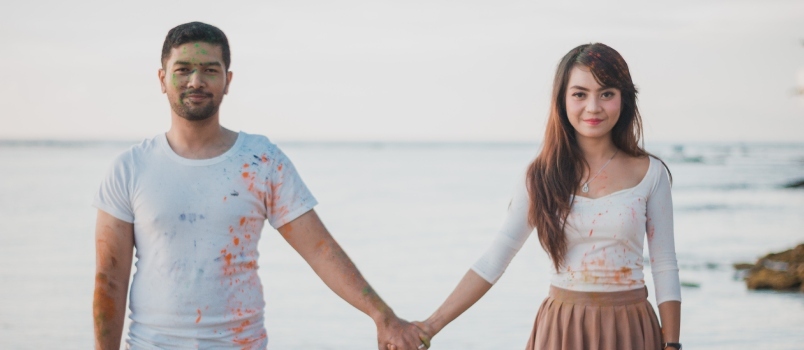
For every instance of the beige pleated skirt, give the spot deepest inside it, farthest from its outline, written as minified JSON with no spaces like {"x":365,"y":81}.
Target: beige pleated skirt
{"x":570,"y":320}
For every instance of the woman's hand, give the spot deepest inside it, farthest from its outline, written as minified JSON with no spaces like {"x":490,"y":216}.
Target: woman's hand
{"x":424,"y":337}
{"x":427,"y":329}
{"x":471,"y":288}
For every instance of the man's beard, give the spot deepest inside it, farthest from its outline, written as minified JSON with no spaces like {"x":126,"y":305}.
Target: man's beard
{"x":195,"y":113}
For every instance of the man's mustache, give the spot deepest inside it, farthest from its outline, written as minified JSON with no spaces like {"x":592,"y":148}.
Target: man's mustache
{"x":195,"y":92}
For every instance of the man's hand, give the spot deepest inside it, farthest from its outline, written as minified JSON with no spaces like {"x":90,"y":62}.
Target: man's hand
{"x":398,"y":334}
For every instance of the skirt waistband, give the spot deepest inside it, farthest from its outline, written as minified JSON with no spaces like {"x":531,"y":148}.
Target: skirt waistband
{"x":599,"y":298}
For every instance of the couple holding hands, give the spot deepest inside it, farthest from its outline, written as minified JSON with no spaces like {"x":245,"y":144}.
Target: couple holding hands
{"x":193,"y":201}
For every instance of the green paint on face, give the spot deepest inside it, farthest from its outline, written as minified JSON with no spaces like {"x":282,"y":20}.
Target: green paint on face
{"x":366,"y":290}
{"x":174,"y":80}
{"x":197,"y":45}
{"x":203,"y":52}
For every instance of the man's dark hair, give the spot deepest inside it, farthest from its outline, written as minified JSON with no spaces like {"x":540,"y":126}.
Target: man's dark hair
{"x":194,"y":32}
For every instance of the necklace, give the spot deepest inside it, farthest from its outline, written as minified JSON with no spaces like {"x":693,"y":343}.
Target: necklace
{"x":585,"y":187}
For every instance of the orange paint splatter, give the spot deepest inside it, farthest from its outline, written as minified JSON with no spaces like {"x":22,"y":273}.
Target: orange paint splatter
{"x":590,"y":232}
{"x":281,"y":211}
{"x":241,"y":328}
{"x":242,"y":341}
{"x":224,"y":198}
{"x":242,"y":221}
{"x":248,"y":236}
{"x":199,"y":316}
{"x":228,"y":258}
{"x":245,"y":174}
{"x":264,"y":158}
{"x":245,"y":165}
{"x":279,"y":167}
{"x":623,"y":275}
{"x":236,"y":241}
{"x":251,"y":265}
{"x":231,"y":229}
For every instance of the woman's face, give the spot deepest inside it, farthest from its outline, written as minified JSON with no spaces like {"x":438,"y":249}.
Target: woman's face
{"x":592,"y":109}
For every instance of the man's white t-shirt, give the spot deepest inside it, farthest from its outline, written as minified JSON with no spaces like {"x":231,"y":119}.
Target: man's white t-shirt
{"x":197,"y":223}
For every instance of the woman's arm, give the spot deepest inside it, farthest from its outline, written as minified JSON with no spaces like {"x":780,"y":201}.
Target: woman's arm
{"x":488,"y":269}
{"x":661,"y":246}
{"x":471,"y":288}
{"x":670,"y":313}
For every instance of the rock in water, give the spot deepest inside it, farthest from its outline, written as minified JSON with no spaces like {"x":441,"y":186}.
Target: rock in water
{"x":779,"y":271}
{"x":795,"y":184}
{"x":769,"y":279}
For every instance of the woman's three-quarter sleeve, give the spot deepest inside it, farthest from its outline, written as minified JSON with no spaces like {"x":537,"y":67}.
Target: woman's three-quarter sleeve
{"x":661,"y":245}
{"x":510,"y":238}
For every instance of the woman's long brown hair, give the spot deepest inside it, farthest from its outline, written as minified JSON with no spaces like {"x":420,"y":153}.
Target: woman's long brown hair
{"x":554,"y":177}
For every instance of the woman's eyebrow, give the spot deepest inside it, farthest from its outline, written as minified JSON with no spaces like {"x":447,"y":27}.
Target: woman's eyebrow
{"x":586,"y":89}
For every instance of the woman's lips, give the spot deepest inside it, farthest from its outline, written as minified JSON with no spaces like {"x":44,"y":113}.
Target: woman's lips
{"x":593,"y":121}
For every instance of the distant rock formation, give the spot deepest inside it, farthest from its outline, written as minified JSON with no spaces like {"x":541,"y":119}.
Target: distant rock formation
{"x":795,"y":184}
{"x":777,"y":271}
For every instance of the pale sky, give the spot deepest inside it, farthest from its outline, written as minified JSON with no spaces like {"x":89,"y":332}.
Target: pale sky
{"x":412,"y":70}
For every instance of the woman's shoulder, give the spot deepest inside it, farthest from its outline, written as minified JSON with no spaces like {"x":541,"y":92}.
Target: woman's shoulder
{"x":639,"y":166}
{"x":656,"y":173}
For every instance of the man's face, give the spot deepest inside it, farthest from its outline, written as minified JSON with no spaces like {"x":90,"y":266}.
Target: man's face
{"x":195,"y":80}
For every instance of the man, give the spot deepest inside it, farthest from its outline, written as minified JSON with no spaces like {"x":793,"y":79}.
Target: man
{"x":193,"y":202}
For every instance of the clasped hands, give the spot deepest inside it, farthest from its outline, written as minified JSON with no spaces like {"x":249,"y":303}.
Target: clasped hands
{"x":398,"y":334}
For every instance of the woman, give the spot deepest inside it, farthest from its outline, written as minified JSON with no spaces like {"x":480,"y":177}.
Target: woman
{"x":592,"y":195}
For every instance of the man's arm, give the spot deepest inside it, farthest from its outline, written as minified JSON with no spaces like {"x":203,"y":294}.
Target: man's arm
{"x":114,"y":245}
{"x":308,"y":236}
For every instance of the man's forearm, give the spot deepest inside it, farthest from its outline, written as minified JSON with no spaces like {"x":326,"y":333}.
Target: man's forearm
{"x":341,"y":275}
{"x":108,"y":311}
{"x":308,"y":236}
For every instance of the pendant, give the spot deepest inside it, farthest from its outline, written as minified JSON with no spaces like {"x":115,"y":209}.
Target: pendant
{"x":585,"y":188}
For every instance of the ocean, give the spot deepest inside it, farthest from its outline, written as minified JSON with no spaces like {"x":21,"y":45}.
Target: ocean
{"x":414,"y":217}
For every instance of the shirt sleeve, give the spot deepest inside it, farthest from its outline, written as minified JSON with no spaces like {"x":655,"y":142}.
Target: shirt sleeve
{"x":512,"y":235}
{"x":288,"y":197}
{"x":661,"y":245}
{"x":114,"y":195}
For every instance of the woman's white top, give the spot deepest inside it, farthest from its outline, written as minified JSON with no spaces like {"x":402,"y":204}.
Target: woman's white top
{"x":605,"y":237}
